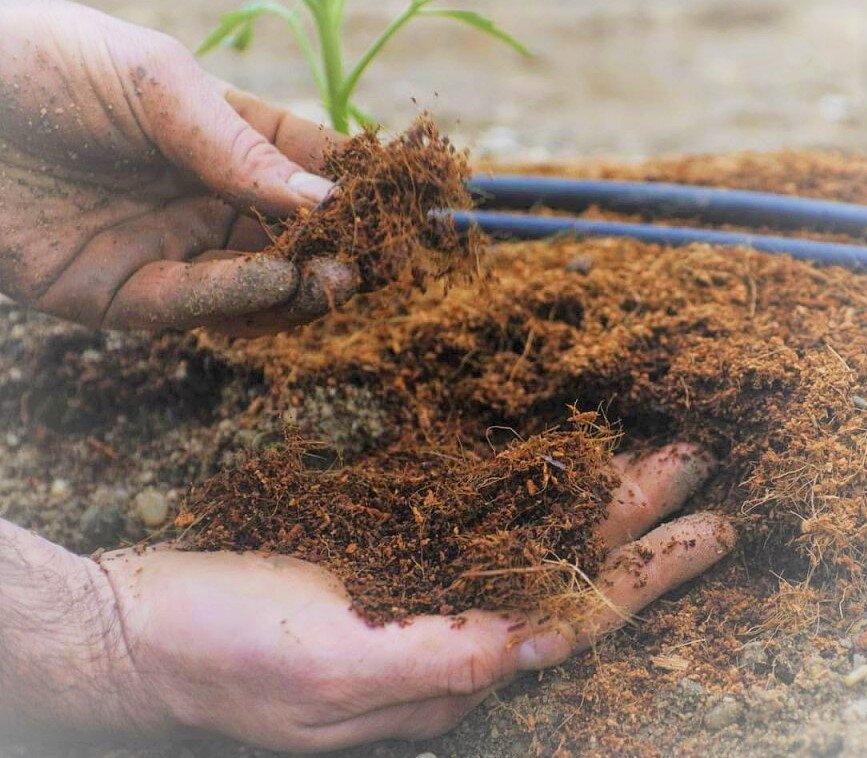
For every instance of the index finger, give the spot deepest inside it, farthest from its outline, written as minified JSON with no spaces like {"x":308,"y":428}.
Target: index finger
{"x":303,"y":142}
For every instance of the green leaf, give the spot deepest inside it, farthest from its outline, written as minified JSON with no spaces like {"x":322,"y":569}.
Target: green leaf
{"x":225,"y":29}
{"x":415,"y":7}
{"x":236,"y":29}
{"x":244,"y":37}
{"x":481,"y":23}
{"x":361,"y":118}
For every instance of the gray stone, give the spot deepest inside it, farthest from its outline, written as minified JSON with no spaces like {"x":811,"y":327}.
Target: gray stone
{"x":726,"y":712}
{"x":152,"y":507}
{"x":102,"y":526}
{"x":691,"y":687}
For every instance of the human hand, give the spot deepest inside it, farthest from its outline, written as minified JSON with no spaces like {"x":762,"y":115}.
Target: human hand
{"x":267,"y":651}
{"x":123,"y":168}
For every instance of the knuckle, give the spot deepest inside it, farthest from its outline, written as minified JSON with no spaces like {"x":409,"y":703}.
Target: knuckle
{"x":476,"y":672}
{"x":255,"y":152}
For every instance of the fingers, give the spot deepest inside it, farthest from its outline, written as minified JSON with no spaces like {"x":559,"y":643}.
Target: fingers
{"x":444,"y":657}
{"x":642,"y":571}
{"x":184,"y":295}
{"x":325,"y":284}
{"x":186,"y":115}
{"x":302,"y":141}
{"x":178,"y":231}
{"x":652,"y":488}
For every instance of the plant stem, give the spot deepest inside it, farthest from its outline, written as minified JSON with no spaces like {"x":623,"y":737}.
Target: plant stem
{"x":328,"y":26}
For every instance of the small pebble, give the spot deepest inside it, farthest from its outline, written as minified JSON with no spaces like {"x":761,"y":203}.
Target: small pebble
{"x":860,"y":402}
{"x":59,"y":487}
{"x":725,"y":713}
{"x":580,"y":264}
{"x":857,"y":676}
{"x":102,"y":526}
{"x":152,"y":507}
{"x":426,"y":755}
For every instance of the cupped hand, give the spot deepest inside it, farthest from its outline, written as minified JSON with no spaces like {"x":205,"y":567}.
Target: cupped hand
{"x":267,"y":651}
{"x":123,"y":168}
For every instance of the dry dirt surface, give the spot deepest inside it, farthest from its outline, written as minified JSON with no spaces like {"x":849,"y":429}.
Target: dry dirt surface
{"x":104,"y":432}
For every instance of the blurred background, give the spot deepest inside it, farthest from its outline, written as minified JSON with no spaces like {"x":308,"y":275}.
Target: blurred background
{"x":625,"y":78}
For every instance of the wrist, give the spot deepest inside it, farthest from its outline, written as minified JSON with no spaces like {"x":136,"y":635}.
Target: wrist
{"x":64,"y":662}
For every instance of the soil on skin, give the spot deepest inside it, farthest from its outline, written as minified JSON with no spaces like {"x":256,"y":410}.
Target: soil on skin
{"x":760,"y":358}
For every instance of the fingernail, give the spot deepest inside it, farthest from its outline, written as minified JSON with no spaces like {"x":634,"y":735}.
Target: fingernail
{"x":545,"y":650}
{"x":314,"y":189}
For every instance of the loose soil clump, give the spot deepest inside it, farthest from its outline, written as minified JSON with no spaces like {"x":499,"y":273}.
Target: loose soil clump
{"x":409,"y":532}
{"x":379,"y":217}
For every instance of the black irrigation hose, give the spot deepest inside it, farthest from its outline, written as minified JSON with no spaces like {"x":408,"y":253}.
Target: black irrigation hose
{"x":517,"y":226}
{"x":654,"y":199}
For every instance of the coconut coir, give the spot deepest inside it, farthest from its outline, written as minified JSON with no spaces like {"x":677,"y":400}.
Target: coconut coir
{"x":379,"y":216}
{"x":414,"y":531}
{"x":759,"y":358}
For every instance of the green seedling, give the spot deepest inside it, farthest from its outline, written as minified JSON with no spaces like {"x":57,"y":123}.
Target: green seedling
{"x":337,"y":84}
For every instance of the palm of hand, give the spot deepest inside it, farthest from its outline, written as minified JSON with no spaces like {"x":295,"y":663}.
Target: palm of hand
{"x":211,"y":631}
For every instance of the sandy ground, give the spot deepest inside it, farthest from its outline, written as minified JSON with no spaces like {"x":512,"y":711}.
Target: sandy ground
{"x":610,"y":77}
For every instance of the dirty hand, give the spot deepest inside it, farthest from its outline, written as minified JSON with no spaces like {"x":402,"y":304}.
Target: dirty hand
{"x":123,"y":168}
{"x":266,"y":650}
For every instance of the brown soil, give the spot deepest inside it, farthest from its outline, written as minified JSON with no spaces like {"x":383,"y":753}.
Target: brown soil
{"x":761,"y":358}
{"x":379,"y":216}
{"x":414,"y":531}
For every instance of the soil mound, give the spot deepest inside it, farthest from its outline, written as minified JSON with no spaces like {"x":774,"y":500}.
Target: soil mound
{"x":762,"y":359}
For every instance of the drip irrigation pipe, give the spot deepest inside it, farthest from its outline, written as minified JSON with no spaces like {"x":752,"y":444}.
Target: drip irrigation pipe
{"x":655,"y":199}
{"x":524,"y":227}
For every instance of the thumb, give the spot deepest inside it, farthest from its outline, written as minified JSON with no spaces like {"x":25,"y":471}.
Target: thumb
{"x":185,"y":113}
